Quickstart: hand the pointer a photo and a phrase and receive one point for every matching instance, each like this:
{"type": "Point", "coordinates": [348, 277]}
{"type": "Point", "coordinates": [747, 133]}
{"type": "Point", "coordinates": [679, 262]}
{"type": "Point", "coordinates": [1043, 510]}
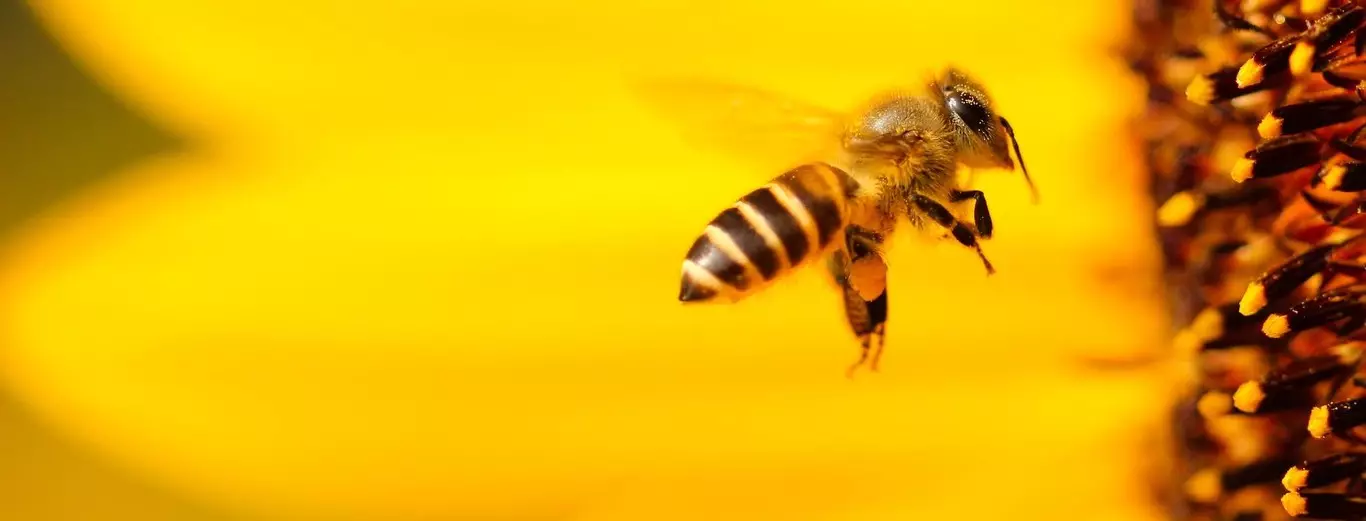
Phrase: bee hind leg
{"type": "Point", "coordinates": [873, 336]}
{"type": "Point", "coordinates": [965, 234]}
{"type": "Point", "coordinates": [861, 274]}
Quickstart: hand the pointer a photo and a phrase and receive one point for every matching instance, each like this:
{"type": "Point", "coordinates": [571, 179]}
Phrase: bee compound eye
{"type": "Point", "coordinates": [971, 111]}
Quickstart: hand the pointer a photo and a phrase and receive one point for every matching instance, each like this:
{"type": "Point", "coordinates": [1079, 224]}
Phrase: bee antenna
{"type": "Point", "coordinates": [1033, 192]}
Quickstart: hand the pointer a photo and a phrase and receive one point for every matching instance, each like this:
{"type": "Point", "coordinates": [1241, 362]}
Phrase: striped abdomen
{"type": "Point", "coordinates": [767, 233]}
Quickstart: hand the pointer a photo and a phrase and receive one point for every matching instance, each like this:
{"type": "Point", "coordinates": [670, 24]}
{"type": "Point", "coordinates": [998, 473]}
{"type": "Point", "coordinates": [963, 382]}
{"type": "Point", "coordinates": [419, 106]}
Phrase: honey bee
{"type": "Point", "coordinates": [895, 159]}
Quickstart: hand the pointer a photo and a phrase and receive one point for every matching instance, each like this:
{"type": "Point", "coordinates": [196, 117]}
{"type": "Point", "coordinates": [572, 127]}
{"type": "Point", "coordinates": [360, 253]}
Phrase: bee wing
{"type": "Point", "coordinates": [747, 123]}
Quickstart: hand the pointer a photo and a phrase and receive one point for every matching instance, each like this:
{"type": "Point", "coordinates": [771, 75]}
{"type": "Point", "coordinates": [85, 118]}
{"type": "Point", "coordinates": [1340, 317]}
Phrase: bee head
{"type": "Point", "coordinates": [984, 139]}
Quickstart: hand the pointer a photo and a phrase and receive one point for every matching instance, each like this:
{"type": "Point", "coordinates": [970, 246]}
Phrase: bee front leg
{"type": "Point", "coordinates": [965, 234]}
{"type": "Point", "coordinates": [980, 213]}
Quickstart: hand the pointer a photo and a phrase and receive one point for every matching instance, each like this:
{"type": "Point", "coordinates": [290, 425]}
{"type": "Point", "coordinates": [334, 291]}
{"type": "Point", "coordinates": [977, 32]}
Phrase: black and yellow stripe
{"type": "Point", "coordinates": [767, 233]}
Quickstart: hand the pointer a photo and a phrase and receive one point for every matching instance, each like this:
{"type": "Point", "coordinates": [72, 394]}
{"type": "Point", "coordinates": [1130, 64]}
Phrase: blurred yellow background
{"type": "Point", "coordinates": [419, 260]}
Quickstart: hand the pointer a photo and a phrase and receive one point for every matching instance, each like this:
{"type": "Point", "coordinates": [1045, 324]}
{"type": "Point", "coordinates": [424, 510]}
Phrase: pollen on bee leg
{"type": "Point", "coordinates": [868, 276]}
{"type": "Point", "coordinates": [1179, 209]}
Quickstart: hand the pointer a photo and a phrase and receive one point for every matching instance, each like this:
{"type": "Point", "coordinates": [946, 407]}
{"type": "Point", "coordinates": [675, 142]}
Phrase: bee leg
{"type": "Point", "coordinates": [965, 234]}
{"type": "Point", "coordinates": [876, 311]}
{"type": "Point", "coordinates": [867, 318]}
{"type": "Point", "coordinates": [981, 215]}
